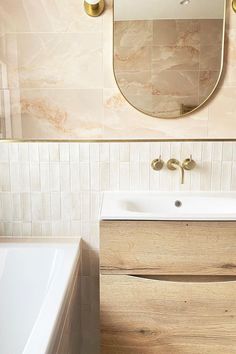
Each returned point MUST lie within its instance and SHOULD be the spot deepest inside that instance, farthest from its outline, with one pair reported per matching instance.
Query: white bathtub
(34, 279)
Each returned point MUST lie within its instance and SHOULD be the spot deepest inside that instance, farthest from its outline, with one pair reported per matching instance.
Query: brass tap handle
(157, 164)
(189, 164)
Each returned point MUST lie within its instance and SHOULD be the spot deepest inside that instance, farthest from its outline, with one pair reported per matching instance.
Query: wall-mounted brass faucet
(173, 164)
(188, 165)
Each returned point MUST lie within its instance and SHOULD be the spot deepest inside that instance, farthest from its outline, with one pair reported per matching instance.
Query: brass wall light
(94, 8)
(234, 5)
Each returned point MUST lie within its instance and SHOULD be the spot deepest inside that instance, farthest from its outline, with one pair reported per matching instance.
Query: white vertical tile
(84, 176)
(35, 185)
(15, 176)
(65, 179)
(45, 176)
(34, 152)
(5, 185)
(104, 151)
(44, 152)
(84, 152)
(217, 151)
(124, 176)
(54, 154)
(16, 207)
(26, 207)
(227, 151)
(55, 206)
(94, 153)
(36, 206)
(24, 152)
(124, 152)
(74, 152)
(216, 176)
(75, 176)
(13, 152)
(104, 176)
(64, 152)
(226, 176)
(24, 176)
(4, 152)
(54, 177)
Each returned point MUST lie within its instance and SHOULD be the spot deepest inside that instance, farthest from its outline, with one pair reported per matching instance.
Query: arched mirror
(168, 54)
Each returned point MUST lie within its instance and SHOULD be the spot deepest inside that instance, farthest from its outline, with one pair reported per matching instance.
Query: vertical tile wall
(50, 189)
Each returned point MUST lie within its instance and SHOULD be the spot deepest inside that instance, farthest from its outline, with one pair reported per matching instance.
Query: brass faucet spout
(174, 164)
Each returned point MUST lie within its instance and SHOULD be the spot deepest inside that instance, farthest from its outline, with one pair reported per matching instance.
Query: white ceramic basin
(168, 206)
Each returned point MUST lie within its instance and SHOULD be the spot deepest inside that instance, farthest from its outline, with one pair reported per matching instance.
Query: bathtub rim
(75, 267)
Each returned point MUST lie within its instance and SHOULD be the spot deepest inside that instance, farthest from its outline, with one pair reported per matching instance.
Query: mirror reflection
(168, 54)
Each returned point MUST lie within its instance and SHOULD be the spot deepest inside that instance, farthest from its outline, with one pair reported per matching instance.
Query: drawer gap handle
(189, 278)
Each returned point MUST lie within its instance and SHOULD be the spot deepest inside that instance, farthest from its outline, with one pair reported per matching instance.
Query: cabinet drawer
(157, 247)
(147, 316)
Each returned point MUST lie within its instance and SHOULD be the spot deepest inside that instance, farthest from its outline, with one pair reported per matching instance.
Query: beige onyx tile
(9, 61)
(141, 126)
(175, 58)
(230, 59)
(46, 16)
(211, 31)
(58, 60)
(134, 83)
(208, 80)
(108, 71)
(230, 16)
(133, 33)
(61, 114)
(175, 83)
(222, 114)
(132, 59)
(210, 57)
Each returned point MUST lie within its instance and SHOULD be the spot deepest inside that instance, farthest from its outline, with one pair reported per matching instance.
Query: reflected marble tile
(175, 83)
(211, 31)
(46, 16)
(208, 80)
(210, 57)
(176, 32)
(137, 33)
(175, 58)
(135, 83)
(62, 114)
(132, 59)
(188, 33)
(56, 60)
(173, 106)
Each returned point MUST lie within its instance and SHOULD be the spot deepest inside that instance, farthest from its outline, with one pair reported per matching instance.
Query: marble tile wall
(57, 79)
(165, 67)
(55, 190)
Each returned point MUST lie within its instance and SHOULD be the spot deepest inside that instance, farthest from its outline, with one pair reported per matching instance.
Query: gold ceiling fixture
(94, 8)
(234, 5)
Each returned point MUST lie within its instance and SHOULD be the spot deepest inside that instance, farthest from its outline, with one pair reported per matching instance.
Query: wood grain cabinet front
(143, 315)
(168, 247)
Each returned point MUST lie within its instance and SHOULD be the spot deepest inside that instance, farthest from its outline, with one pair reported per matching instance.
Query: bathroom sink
(168, 206)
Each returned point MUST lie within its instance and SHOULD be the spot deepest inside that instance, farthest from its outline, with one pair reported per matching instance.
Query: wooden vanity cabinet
(184, 305)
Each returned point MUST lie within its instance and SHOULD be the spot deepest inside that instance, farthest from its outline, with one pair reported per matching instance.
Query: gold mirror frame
(214, 88)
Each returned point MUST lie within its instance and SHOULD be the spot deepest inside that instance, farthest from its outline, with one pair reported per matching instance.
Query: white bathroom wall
(51, 189)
